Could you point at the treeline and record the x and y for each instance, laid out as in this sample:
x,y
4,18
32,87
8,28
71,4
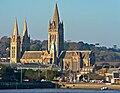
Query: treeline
x,y
102,53
12,74
4,47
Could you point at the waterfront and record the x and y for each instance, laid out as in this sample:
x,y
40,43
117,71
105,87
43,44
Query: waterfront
x,y
92,86
57,91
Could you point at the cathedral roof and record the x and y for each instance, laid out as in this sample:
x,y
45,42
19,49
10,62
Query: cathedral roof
x,y
74,53
34,54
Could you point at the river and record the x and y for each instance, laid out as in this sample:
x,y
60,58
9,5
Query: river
x,y
57,91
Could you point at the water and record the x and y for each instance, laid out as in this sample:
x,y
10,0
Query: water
x,y
57,91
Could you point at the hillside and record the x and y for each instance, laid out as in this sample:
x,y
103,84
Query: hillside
x,y
102,53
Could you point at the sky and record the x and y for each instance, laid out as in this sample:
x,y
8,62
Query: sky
x,y
90,21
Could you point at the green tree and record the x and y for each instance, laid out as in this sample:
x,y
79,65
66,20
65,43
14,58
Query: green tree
x,y
44,44
34,47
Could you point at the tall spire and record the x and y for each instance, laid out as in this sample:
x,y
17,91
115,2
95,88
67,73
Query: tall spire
x,y
25,28
56,14
15,29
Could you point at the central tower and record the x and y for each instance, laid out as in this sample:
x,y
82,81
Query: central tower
x,y
56,32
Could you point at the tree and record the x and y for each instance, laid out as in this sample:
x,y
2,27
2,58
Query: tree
x,y
34,47
8,73
44,44
32,75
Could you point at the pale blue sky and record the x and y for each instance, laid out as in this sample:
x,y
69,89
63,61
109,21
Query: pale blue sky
x,y
90,21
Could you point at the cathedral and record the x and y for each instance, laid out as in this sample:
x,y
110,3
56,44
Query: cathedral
x,y
55,55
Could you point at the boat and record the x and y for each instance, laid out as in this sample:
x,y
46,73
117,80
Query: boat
x,y
104,88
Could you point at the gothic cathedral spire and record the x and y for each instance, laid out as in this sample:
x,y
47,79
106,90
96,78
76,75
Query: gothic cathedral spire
x,y
56,15
56,32
25,29
15,29
19,45
15,45
25,40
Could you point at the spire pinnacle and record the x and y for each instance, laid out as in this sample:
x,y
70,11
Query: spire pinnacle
x,y
25,28
56,14
15,29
